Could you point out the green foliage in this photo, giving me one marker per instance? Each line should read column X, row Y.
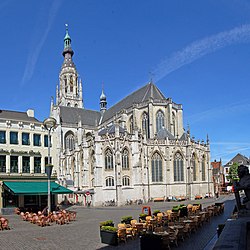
column 155, row 212
column 143, row 215
column 109, row 228
column 107, row 223
column 126, row 219
column 233, row 173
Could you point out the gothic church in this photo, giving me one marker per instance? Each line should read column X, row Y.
column 136, row 149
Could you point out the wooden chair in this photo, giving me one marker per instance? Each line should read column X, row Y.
column 133, row 225
column 166, row 241
column 158, row 229
column 121, row 234
column 149, row 223
column 173, row 236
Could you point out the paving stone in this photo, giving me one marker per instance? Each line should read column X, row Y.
column 84, row 232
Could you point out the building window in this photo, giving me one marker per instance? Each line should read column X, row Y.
column 46, row 141
column 26, row 164
column 203, row 171
column 2, row 163
column 125, row 181
column 92, row 162
column 178, row 167
column 159, row 120
column 131, row 124
column 69, row 141
column 145, row 127
column 174, row 124
column 2, row 137
column 125, row 159
column 37, row 140
column 108, row 160
column 37, row 165
column 227, row 170
column 110, row 182
column 25, row 139
column 156, row 168
column 13, row 138
column 14, row 164
column 46, row 160
column 194, row 165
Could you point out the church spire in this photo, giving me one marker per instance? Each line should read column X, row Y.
column 70, row 91
column 67, row 43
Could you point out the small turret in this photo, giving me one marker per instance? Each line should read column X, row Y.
column 103, row 102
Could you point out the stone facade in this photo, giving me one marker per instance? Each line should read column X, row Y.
column 23, row 152
column 136, row 149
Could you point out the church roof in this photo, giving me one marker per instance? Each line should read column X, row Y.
column 163, row 133
column 144, row 94
column 16, row 116
column 71, row 115
column 111, row 130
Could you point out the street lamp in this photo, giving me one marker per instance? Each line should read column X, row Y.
column 49, row 124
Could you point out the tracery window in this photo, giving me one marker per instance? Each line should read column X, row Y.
column 125, row 159
column 145, row 126
column 69, row 141
column 108, row 160
column 156, row 164
column 178, row 167
column 131, row 124
column 125, row 181
column 159, row 120
column 203, row 171
column 194, row 165
column 110, row 182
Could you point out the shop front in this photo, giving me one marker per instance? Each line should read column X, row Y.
column 30, row 195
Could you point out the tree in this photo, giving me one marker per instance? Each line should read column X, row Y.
column 233, row 173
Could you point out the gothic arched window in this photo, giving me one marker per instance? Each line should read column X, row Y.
column 131, row 124
column 69, row 141
column 159, row 120
column 174, row 124
column 145, row 127
column 156, row 164
column 125, row 181
column 203, row 171
column 110, row 182
column 194, row 165
column 108, row 160
column 125, row 159
column 178, row 167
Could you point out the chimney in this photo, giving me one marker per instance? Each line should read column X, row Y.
column 30, row 113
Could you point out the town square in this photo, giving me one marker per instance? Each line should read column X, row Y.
column 124, row 124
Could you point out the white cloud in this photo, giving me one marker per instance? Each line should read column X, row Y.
column 222, row 111
column 201, row 48
column 34, row 54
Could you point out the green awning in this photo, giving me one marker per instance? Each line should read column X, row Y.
column 35, row 188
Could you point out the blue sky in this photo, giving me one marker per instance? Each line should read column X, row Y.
column 197, row 52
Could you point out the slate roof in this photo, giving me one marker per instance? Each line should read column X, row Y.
column 163, row 133
column 238, row 158
column 111, row 130
column 184, row 137
column 144, row 94
column 71, row 115
column 16, row 116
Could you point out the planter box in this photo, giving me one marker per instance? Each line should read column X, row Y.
column 151, row 241
column 108, row 237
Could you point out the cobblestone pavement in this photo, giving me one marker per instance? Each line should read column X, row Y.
column 84, row 232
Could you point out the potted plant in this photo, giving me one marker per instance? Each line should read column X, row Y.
column 155, row 212
column 126, row 219
column 109, row 235
column 107, row 223
column 142, row 217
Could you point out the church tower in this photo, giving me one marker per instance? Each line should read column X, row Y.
column 69, row 92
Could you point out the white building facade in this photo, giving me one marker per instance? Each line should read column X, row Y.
column 136, row 149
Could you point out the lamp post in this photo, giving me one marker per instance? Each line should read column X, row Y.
column 49, row 124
